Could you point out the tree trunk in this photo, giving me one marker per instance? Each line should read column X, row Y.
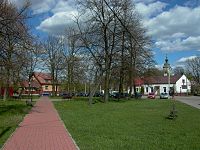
column 5, row 93
column 121, row 80
column 131, row 72
column 53, row 82
column 6, row 89
column 92, row 92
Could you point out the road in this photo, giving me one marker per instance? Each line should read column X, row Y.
column 190, row 100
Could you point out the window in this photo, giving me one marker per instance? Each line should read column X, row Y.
column 136, row 89
column 183, row 81
column 46, row 87
column 164, row 89
column 151, row 89
column 147, row 89
column 184, row 86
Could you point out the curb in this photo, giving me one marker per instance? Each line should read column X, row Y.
column 66, row 128
column 18, row 126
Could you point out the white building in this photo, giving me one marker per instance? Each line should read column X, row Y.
column 180, row 84
column 159, row 84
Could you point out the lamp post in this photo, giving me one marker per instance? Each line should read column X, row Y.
column 166, row 69
column 187, row 86
column 30, row 89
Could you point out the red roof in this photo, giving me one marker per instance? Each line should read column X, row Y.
column 43, row 78
column 156, row 80
column 138, row 82
column 33, row 84
column 161, row 79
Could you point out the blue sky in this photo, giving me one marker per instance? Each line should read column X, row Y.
column 172, row 24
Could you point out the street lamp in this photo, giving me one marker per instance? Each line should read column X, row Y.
column 166, row 69
column 30, row 89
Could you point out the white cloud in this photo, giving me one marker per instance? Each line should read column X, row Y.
column 63, row 6
column 37, row 6
column 179, row 44
column 57, row 23
column 184, row 59
column 178, row 35
column 63, row 15
column 179, row 19
column 41, row 6
column 176, row 29
column 159, row 66
column 144, row 1
column 149, row 10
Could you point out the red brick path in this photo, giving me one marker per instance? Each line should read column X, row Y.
column 41, row 129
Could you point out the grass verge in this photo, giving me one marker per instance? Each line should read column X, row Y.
column 135, row 125
column 11, row 114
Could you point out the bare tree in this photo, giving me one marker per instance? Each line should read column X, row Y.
column 109, row 34
column 99, row 38
column 74, row 61
column 193, row 69
column 13, row 38
column 179, row 70
column 54, row 58
column 135, row 54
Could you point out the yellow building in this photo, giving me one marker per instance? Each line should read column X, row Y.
column 41, row 84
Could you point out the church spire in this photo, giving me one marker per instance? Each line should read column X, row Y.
column 166, row 66
column 166, row 59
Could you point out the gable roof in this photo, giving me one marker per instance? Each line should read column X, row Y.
column 34, row 84
column 157, row 80
column 138, row 81
column 161, row 79
column 43, row 77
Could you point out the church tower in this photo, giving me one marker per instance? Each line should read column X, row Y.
column 166, row 67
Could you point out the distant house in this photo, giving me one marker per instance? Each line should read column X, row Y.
column 159, row 84
column 41, row 84
column 180, row 84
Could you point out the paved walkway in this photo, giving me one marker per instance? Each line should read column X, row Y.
column 193, row 101
column 41, row 129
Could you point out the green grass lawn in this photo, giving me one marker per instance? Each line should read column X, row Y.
column 28, row 97
column 131, row 125
column 11, row 114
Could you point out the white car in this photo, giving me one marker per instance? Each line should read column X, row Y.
column 164, row 96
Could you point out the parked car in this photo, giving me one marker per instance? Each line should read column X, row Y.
column 46, row 94
column 164, row 96
column 67, row 96
column 137, row 95
column 151, row 95
column 119, row 95
column 98, row 94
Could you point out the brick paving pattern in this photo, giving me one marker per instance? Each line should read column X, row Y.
column 41, row 129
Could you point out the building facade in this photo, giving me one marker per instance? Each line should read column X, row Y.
column 40, row 84
column 179, row 83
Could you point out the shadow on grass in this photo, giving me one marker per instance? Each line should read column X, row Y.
column 100, row 99
column 14, row 108
column 4, row 131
